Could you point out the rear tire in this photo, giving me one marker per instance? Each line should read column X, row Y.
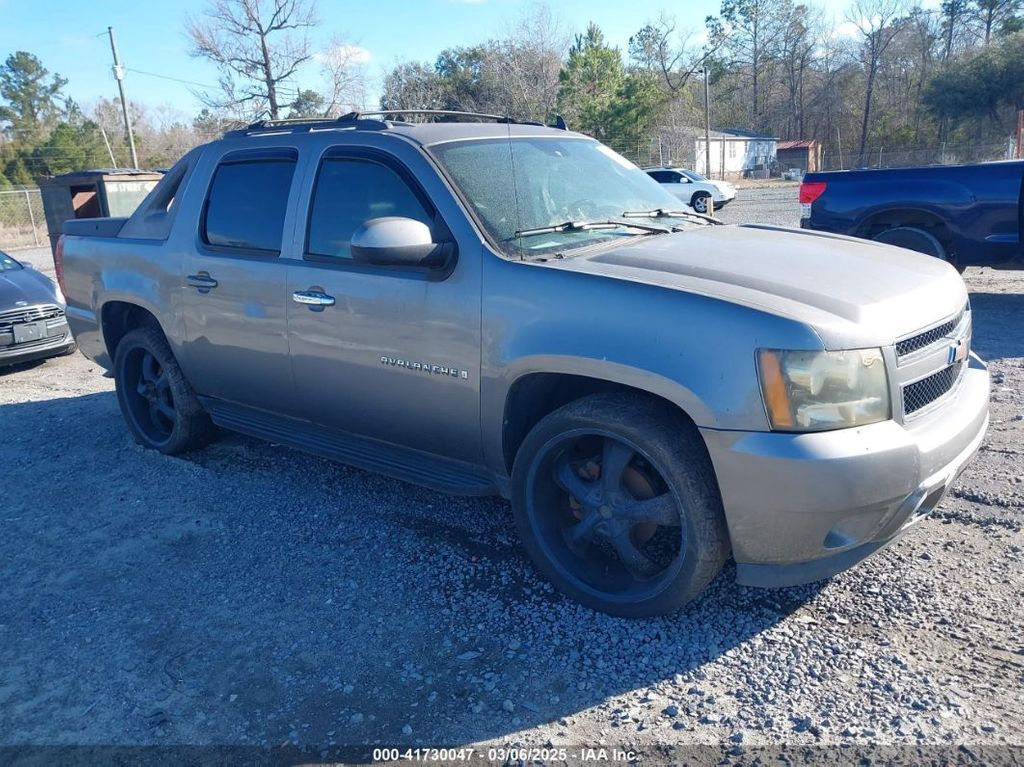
column 616, row 503
column 912, row 238
column 159, row 406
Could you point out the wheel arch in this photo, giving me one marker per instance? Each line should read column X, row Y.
column 879, row 221
column 117, row 317
column 701, row 193
column 535, row 394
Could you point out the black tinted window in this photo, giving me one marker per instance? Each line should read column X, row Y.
column 247, row 204
column 351, row 192
column 664, row 176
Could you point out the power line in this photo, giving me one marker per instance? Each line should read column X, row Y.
column 168, row 77
column 284, row 90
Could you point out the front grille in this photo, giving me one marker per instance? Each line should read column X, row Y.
column 927, row 338
column 29, row 314
column 924, row 392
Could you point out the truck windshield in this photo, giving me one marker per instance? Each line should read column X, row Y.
column 538, row 195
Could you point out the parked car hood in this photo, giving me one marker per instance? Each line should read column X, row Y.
column 28, row 286
column 852, row 292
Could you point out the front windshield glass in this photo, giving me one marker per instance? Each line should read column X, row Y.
column 8, row 264
column 521, row 184
column 693, row 175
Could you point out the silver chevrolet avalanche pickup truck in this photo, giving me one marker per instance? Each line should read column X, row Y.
column 494, row 307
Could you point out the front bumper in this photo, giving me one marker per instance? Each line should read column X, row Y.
column 50, row 347
column 803, row 507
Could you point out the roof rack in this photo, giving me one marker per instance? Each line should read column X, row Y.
column 376, row 120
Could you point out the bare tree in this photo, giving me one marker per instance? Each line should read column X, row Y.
column 342, row 67
column 257, row 45
column 528, row 61
column 798, row 48
column 754, row 29
column 829, row 117
column 516, row 75
column 412, row 85
column 876, row 22
column 662, row 48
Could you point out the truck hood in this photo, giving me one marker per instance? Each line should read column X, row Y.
column 852, row 293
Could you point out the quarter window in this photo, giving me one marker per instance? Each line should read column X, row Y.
column 247, row 203
column 350, row 192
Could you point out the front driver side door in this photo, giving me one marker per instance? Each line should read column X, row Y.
column 674, row 183
column 394, row 353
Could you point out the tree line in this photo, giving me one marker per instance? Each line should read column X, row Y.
column 889, row 74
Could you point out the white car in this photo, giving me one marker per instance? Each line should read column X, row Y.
column 693, row 188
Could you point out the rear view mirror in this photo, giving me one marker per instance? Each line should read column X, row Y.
column 396, row 241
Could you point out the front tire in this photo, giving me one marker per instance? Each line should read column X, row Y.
column 616, row 503
column 157, row 403
column 699, row 202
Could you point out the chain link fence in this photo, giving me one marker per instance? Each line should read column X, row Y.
column 22, row 223
column 677, row 146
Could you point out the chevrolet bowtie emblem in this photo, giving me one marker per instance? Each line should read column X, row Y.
column 957, row 352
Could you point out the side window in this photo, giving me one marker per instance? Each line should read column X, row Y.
column 350, row 192
column 661, row 176
column 246, row 205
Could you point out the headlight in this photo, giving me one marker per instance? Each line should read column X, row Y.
column 817, row 391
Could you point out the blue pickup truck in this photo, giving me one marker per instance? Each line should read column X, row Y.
column 965, row 214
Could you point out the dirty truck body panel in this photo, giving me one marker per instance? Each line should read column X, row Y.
column 414, row 372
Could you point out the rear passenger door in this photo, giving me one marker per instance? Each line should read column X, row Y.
column 396, row 355
column 234, row 297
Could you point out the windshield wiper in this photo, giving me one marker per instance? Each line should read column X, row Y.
column 582, row 226
column 662, row 213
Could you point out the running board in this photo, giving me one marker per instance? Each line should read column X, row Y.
column 406, row 464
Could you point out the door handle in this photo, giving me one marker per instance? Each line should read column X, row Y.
column 312, row 298
column 203, row 281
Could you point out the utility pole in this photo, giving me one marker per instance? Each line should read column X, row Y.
column 707, row 125
column 119, row 76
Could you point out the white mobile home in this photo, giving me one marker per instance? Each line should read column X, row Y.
column 736, row 154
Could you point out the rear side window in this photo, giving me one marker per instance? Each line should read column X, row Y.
column 247, row 202
column 350, row 192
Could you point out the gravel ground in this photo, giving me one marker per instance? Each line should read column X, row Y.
column 249, row 594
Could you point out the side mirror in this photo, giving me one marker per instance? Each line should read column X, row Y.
column 396, row 241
